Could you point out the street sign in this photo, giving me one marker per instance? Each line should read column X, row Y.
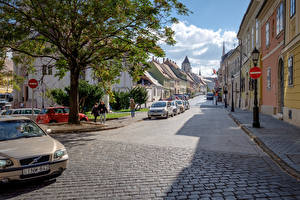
column 32, row 83
column 255, row 72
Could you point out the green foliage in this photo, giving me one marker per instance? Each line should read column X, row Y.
column 100, row 34
column 120, row 100
column 139, row 94
column 88, row 95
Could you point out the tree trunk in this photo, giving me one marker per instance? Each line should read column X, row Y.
column 74, row 96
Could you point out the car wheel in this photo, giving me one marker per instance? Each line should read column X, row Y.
column 167, row 115
column 53, row 121
column 149, row 117
column 83, row 119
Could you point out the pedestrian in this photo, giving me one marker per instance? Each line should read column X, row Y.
column 102, row 111
column 216, row 97
column 132, row 107
column 95, row 111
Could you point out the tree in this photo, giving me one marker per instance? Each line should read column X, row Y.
column 140, row 95
column 77, row 34
column 88, row 95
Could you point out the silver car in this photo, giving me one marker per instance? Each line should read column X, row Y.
column 160, row 109
column 27, row 152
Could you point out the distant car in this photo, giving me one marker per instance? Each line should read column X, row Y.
column 210, row 96
column 27, row 152
column 180, row 105
column 175, row 108
column 57, row 115
column 186, row 104
column 160, row 109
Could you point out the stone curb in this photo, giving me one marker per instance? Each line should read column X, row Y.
column 283, row 165
column 92, row 129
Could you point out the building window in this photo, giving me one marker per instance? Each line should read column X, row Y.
column 279, row 19
column 292, row 7
column 257, row 33
column 267, row 34
column 290, row 71
column 269, row 77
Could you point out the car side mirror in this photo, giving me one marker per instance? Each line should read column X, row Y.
column 48, row 131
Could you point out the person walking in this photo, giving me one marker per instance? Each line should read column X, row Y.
column 95, row 111
column 102, row 111
column 132, row 107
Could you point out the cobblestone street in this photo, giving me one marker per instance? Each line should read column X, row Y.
column 200, row 154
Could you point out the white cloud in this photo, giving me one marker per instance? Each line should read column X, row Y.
column 202, row 46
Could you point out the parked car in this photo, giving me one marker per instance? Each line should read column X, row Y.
column 57, row 115
column 25, row 112
column 27, row 152
column 160, row 109
column 210, row 96
column 186, row 105
column 180, row 105
column 175, row 108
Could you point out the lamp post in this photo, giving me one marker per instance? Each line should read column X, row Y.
column 255, row 124
column 232, row 103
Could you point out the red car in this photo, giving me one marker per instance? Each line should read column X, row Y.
column 56, row 114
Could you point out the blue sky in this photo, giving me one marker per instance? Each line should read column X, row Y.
column 200, row 35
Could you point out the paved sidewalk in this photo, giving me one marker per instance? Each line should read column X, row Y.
column 279, row 139
column 91, row 126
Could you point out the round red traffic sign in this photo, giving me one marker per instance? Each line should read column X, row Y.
column 255, row 72
column 32, row 83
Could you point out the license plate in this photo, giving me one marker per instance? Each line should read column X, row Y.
column 35, row 170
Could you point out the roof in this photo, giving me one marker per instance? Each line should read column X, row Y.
column 169, row 71
column 186, row 60
column 244, row 17
column 12, row 118
column 152, row 80
column 158, row 66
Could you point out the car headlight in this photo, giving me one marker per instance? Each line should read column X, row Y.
column 59, row 154
column 5, row 163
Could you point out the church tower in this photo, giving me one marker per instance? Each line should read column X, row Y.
column 186, row 65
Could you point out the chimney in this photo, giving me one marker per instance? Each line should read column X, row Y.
column 152, row 58
column 163, row 60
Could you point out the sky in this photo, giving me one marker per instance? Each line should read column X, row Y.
column 200, row 35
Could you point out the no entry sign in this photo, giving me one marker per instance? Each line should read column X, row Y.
column 32, row 83
column 255, row 72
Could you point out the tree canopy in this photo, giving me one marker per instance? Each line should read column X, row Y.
column 108, row 36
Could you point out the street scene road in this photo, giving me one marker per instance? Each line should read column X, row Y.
column 199, row 154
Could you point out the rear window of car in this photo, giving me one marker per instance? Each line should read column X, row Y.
column 179, row 102
column 158, row 104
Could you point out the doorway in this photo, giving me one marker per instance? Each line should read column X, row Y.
column 281, row 85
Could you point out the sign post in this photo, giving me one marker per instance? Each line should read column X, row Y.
column 32, row 83
column 255, row 73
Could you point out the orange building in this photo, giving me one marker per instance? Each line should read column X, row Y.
column 271, row 17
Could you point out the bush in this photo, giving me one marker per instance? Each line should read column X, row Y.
column 140, row 95
column 120, row 100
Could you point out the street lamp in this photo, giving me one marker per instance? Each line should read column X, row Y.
column 255, row 124
column 225, row 95
column 232, row 103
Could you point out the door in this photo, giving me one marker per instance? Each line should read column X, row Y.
column 281, row 85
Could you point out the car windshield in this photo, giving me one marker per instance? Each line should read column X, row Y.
column 15, row 129
column 158, row 104
column 179, row 102
column 210, row 94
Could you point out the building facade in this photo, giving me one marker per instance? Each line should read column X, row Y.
column 271, row 18
column 291, row 63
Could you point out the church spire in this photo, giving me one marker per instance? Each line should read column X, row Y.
column 223, row 48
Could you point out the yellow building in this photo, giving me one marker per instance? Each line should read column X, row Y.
column 249, row 38
column 291, row 53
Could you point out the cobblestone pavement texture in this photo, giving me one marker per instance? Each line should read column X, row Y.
column 280, row 137
column 199, row 160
